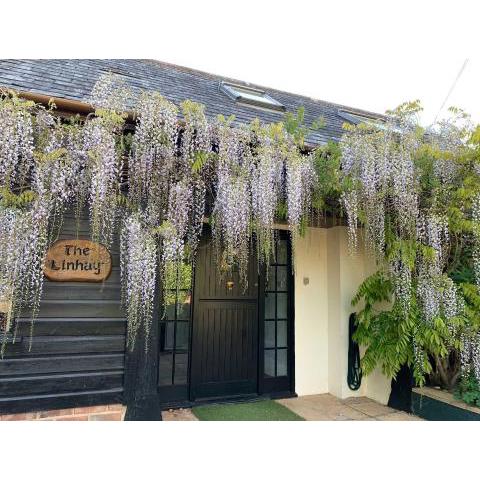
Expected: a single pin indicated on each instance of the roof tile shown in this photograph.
(74, 78)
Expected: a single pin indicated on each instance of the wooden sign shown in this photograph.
(5, 314)
(77, 261)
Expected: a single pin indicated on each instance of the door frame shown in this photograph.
(279, 386)
(181, 395)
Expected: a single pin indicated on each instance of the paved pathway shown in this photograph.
(322, 407)
(328, 407)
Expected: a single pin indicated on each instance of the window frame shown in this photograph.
(284, 384)
(358, 118)
(234, 91)
(174, 350)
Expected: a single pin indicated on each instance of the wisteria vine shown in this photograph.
(154, 188)
(158, 187)
(416, 192)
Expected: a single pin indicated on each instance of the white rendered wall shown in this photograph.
(311, 313)
(326, 279)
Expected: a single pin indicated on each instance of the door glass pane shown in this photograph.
(185, 276)
(282, 252)
(270, 285)
(269, 367)
(165, 369)
(182, 336)
(270, 306)
(281, 305)
(270, 334)
(183, 311)
(282, 279)
(184, 297)
(169, 333)
(281, 362)
(181, 368)
(282, 333)
(170, 311)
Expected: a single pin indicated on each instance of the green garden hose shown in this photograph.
(354, 372)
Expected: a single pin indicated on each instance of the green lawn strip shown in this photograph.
(253, 411)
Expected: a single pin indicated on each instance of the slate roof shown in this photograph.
(73, 79)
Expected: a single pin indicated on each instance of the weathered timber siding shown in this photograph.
(76, 355)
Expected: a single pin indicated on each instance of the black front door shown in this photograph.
(224, 359)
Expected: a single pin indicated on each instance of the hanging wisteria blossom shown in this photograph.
(266, 186)
(178, 213)
(139, 273)
(152, 160)
(16, 142)
(379, 166)
(110, 92)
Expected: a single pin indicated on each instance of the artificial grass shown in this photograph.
(263, 410)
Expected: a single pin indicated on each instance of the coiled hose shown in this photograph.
(354, 372)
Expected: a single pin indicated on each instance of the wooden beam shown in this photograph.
(73, 106)
(64, 105)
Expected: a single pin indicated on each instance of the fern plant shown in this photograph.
(393, 338)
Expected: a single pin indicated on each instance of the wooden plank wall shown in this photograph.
(77, 352)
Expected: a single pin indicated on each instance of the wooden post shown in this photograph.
(141, 371)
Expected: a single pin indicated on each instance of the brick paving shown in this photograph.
(114, 412)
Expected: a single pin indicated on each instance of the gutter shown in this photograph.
(64, 105)
(72, 106)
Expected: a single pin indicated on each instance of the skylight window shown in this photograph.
(357, 118)
(251, 96)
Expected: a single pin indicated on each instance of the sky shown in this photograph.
(366, 54)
